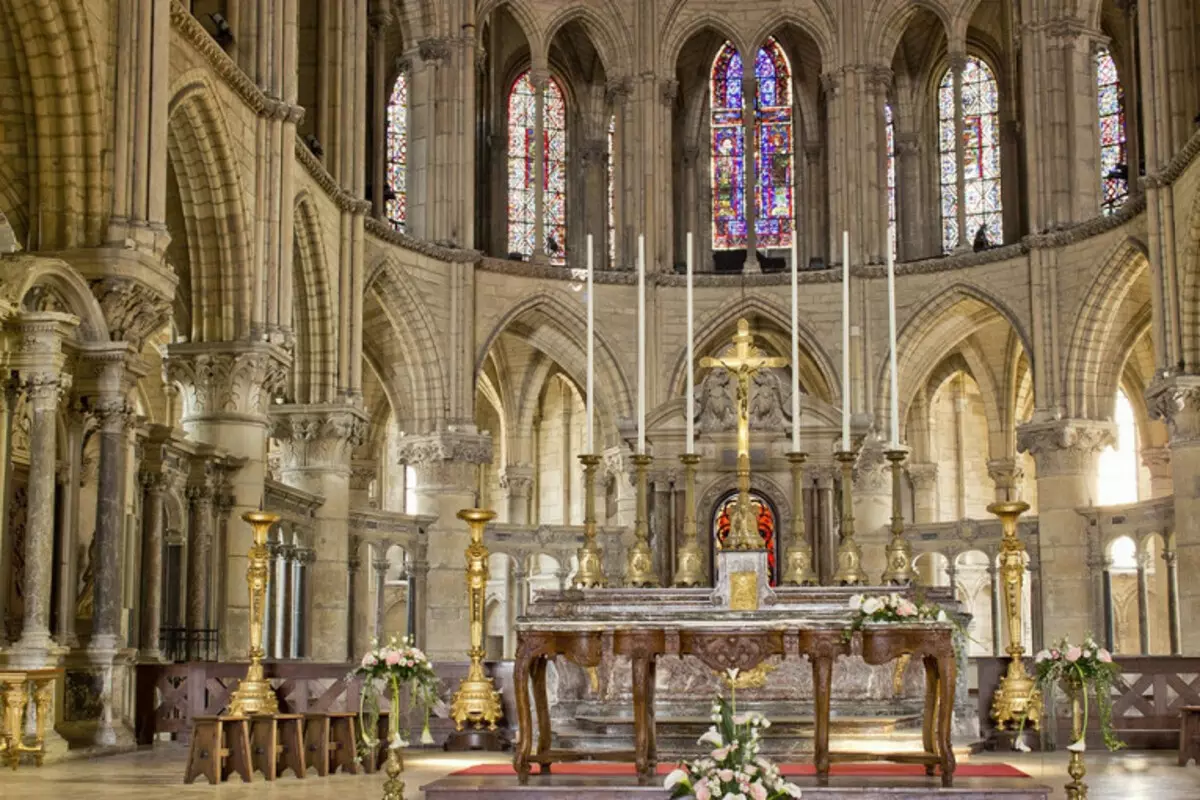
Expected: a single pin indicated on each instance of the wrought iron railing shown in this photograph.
(183, 644)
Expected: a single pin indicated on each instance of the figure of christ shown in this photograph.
(742, 364)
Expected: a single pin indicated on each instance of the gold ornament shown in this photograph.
(899, 571)
(849, 555)
(1017, 699)
(755, 678)
(639, 564)
(690, 568)
(798, 569)
(1076, 789)
(476, 700)
(254, 694)
(743, 591)
(590, 574)
(393, 787)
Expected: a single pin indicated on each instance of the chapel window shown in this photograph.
(525, 179)
(889, 121)
(980, 166)
(1114, 163)
(610, 180)
(774, 185)
(396, 197)
(1118, 469)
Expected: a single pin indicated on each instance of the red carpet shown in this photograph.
(790, 770)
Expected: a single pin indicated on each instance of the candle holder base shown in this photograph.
(690, 571)
(849, 554)
(639, 567)
(899, 571)
(590, 574)
(393, 787)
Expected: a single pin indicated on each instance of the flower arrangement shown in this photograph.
(891, 608)
(394, 665)
(733, 769)
(1080, 671)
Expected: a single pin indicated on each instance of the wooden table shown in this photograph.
(722, 648)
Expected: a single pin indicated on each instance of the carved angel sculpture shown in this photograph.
(715, 410)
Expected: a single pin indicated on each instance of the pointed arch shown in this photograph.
(22, 272)
(676, 34)
(886, 37)
(815, 19)
(980, 166)
(314, 369)
(526, 18)
(606, 29)
(211, 193)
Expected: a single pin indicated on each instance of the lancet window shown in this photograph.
(889, 121)
(526, 178)
(396, 197)
(773, 149)
(610, 189)
(1114, 162)
(980, 164)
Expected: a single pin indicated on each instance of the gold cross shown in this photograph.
(743, 363)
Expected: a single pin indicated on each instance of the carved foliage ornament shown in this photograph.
(219, 382)
(472, 448)
(319, 437)
(1177, 402)
(1065, 446)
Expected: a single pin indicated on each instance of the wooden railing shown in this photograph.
(1146, 700)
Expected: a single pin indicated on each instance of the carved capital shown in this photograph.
(879, 79)
(44, 389)
(1176, 401)
(435, 50)
(317, 436)
(872, 472)
(1066, 446)
(132, 309)
(448, 445)
(668, 92)
(362, 472)
(923, 475)
(908, 144)
(1157, 459)
(517, 480)
(238, 379)
(618, 90)
(593, 152)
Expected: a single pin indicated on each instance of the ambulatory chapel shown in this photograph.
(832, 288)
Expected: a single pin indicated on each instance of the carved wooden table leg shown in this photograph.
(541, 702)
(929, 720)
(651, 730)
(643, 715)
(947, 672)
(524, 718)
(822, 668)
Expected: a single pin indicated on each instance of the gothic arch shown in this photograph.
(526, 18)
(893, 24)
(821, 378)
(315, 370)
(211, 194)
(1099, 339)
(726, 482)
(19, 274)
(606, 31)
(815, 19)
(673, 39)
(406, 311)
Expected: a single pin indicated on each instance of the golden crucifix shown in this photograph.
(742, 363)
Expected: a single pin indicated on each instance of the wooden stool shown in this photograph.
(220, 747)
(316, 743)
(343, 741)
(1189, 734)
(276, 744)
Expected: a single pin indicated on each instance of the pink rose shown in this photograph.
(1055, 654)
(1073, 653)
(393, 658)
(1104, 656)
(758, 791)
(1041, 656)
(906, 609)
(702, 793)
(726, 775)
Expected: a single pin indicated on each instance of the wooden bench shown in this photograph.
(220, 747)
(1189, 735)
(277, 744)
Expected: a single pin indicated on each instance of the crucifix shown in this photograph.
(743, 362)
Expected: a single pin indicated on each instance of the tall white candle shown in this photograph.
(795, 347)
(691, 356)
(846, 341)
(591, 344)
(641, 346)
(895, 392)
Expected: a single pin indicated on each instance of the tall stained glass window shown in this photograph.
(610, 189)
(981, 155)
(1114, 162)
(773, 190)
(396, 198)
(889, 123)
(524, 176)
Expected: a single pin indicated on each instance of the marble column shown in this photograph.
(305, 622)
(379, 567)
(1065, 453)
(8, 401)
(1143, 602)
(418, 592)
(111, 415)
(287, 604)
(68, 555)
(998, 612)
(200, 535)
(925, 500)
(154, 487)
(517, 483)
(355, 599)
(1170, 559)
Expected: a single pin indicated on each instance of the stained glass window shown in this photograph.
(523, 174)
(766, 526)
(773, 190)
(609, 177)
(890, 140)
(981, 155)
(1114, 163)
(396, 198)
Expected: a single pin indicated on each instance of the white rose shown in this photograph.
(856, 602)
(871, 605)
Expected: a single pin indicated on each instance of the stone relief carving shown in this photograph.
(770, 402)
(221, 381)
(1064, 446)
(472, 448)
(132, 310)
(314, 436)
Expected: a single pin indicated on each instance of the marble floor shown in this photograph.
(157, 773)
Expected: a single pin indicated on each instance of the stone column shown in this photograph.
(418, 592)
(379, 566)
(287, 616)
(517, 482)
(1170, 558)
(316, 443)
(356, 641)
(200, 535)
(1065, 452)
(1109, 614)
(910, 228)
(379, 18)
(1158, 461)
(305, 558)
(39, 367)
(997, 621)
(518, 591)
(111, 415)
(362, 474)
(1143, 602)
(8, 402)
(154, 487)
(68, 598)
(925, 500)
(446, 465)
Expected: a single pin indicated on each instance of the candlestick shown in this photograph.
(895, 391)
(798, 570)
(845, 341)
(899, 570)
(590, 574)
(689, 446)
(254, 694)
(795, 347)
(849, 554)
(690, 558)
(641, 347)
(591, 343)
(639, 562)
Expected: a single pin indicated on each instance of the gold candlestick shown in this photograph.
(899, 570)
(254, 694)
(476, 700)
(690, 571)
(1076, 789)
(799, 559)
(393, 787)
(1017, 699)
(590, 574)
(639, 565)
(849, 554)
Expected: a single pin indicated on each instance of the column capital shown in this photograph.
(593, 152)
(132, 309)
(223, 380)
(517, 480)
(872, 473)
(1065, 446)
(908, 143)
(434, 50)
(362, 472)
(957, 60)
(1175, 399)
(668, 92)
(471, 447)
(380, 565)
(37, 340)
(317, 436)
(923, 475)
(1156, 458)
(539, 78)
(617, 90)
(880, 78)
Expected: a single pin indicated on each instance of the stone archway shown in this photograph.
(768, 527)
(723, 485)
